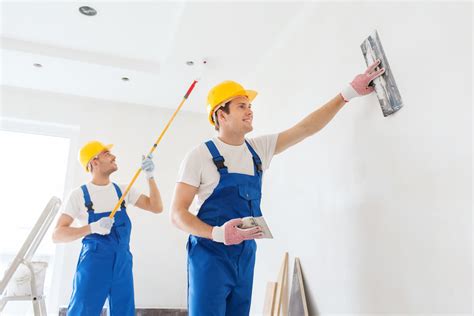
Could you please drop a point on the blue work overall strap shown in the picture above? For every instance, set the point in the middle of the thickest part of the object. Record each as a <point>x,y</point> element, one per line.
<point>257,162</point>
<point>217,157</point>
<point>87,199</point>
<point>119,194</point>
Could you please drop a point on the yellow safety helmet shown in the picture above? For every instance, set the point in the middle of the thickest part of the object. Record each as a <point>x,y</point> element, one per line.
<point>90,150</point>
<point>224,92</point>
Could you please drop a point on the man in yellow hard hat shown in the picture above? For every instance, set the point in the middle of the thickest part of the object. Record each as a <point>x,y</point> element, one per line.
<point>226,175</point>
<point>104,269</point>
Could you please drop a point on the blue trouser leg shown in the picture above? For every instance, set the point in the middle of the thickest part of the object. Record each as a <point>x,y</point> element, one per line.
<point>210,282</point>
<point>238,302</point>
<point>92,282</point>
<point>121,294</point>
<point>219,283</point>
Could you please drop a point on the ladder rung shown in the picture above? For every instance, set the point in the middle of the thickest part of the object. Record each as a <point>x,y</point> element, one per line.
<point>22,298</point>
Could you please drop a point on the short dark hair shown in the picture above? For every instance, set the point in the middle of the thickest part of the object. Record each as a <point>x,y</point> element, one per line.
<point>226,109</point>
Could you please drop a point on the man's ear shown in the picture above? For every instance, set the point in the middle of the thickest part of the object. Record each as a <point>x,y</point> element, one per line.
<point>221,116</point>
<point>94,163</point>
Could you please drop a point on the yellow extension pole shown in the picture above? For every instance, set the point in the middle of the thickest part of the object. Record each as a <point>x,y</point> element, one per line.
<point>153,148</point>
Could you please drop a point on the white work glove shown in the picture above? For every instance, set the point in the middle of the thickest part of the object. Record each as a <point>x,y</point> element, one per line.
<point>102,226</point>
<point>230,234</point>
<point>360,85</point>
<point>148,166</point>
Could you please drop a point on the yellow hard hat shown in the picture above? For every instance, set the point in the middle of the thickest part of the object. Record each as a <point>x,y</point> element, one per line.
<point>90,150</point>
<point>224,92</point>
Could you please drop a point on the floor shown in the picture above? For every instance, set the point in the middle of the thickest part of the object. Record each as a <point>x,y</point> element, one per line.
<point>143,312</point>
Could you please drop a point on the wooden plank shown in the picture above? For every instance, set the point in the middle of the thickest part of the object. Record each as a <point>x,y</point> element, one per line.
<point>298,304</point>
<point>269,298</point>
<point>284,292</point>
<point>281,284</point>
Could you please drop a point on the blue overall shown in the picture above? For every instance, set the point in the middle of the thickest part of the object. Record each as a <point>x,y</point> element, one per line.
<point>104,268</point>
<point>220,277</point>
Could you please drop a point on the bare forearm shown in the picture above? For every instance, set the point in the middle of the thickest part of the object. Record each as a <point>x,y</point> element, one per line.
<point>67,234</point>
<point>318,119</point>
<point>189,223</point>
<point>156,203</point>
<point>311,124</point>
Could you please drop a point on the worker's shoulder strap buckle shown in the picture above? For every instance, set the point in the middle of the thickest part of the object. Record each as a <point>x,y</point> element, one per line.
<point>89,205</point>
<point>258,164</point>
<point>219,162</point>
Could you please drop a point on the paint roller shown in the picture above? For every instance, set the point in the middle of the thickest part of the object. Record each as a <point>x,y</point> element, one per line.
<point>155,145</point>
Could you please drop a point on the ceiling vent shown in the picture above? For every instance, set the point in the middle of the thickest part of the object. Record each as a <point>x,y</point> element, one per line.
<point>87,11</point>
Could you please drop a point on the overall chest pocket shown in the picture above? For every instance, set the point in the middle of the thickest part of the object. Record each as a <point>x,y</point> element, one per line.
<point>249,201</point>
<point>249,193</point>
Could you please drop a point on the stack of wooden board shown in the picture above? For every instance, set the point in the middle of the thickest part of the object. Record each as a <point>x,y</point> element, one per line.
<point>276,296</point>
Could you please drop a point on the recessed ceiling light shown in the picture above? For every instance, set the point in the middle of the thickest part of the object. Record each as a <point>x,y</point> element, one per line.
<point>125,79</point>
<point>190,63</point>
<point>87,11</point>
<point>37,65</point>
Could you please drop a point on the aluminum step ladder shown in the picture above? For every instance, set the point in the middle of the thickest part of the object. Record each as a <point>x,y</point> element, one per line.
<point>24,257</point>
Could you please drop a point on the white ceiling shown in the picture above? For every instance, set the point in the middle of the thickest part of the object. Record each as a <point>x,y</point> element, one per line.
<point>148,42</point>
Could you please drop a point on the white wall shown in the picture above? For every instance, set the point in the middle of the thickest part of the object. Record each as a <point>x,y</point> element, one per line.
<point>158,248</point>
<point>378,209</point>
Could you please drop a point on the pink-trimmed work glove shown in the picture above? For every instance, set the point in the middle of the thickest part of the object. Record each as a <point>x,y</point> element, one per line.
<point>230,234</point>
<point>360,85</point>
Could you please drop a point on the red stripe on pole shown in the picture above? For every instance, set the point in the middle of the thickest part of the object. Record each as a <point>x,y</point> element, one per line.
<point>190,89</point>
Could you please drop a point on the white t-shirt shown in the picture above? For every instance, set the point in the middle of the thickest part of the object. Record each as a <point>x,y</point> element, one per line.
<point>103,197</point>
<point>199,170</point>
